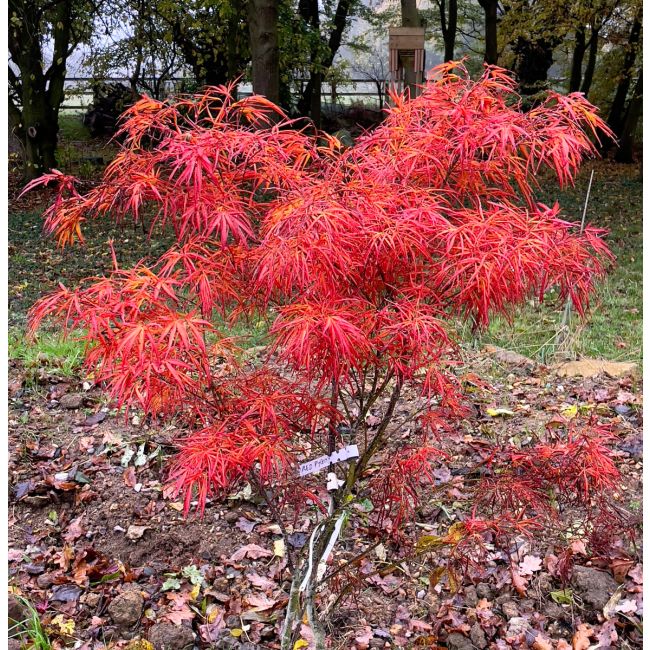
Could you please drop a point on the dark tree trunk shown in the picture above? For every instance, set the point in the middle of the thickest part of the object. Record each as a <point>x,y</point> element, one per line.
<point>490,8</point>
<point>37,94</point>
<point>616,115</point>
<point>626,140</point>
<point>588,76</point>
<point>533,61</point>
<point>310,101</point>
<point>265,54</point>
<point>449,25</point>
<point>576,62</point>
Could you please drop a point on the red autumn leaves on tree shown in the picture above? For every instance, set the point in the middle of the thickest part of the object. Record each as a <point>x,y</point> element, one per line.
<point>360,258</point>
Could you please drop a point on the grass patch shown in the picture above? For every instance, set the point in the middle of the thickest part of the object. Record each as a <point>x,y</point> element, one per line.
<point>30,628</point>
<point>48,350</point>
<point>613,328</point>
<point>71,127</point>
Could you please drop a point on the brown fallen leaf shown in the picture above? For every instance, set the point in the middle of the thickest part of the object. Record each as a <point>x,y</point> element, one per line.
<point>260,602</point>
<point>581,638</point>
<point>136,532</point>
<point>260,581</point>
<point>252,551</point>
<point>130,479</point>
<point>542,643</point>
<point>74,530</point>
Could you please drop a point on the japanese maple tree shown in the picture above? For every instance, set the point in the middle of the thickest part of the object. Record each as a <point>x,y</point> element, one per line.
<point>361,258</point>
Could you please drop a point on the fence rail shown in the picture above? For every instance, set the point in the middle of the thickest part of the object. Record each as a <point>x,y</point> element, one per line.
<point>79,92</point>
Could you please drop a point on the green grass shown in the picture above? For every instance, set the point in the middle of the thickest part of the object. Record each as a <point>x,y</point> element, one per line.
<point>48,350</point>
<point>30,628</point>
<point>71,127</point>
<point>613,328</point>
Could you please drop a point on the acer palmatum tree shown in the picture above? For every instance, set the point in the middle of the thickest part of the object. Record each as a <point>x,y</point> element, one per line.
<point>359,257</point>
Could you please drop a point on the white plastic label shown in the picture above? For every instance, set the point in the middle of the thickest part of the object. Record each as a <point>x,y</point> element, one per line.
<point>316,465</point>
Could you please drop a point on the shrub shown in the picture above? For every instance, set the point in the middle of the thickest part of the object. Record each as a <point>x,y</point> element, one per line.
<point>360,257</point>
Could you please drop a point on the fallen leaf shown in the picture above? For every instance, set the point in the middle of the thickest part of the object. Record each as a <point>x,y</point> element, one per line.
<point>518,582</point>
<point>245,525</point>
<point>94,419</point>
<point>129,477</point>
<point>260,602</point>
<point>581,638</point>
<point>499,412</point>
<point>542,643</point>
<point>136,532</point>
<point>66,593</point>
<point>74,530</point>
<point>529,565</point>
<point>636,574</point>
<point>260,581</point>
<point>279,548</point>
<point>252,551</point>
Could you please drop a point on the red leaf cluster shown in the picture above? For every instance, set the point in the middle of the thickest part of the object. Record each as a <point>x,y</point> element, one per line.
<point>358,256</point>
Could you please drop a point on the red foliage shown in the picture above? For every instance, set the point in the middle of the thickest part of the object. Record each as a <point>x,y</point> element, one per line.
<point>359,257</point>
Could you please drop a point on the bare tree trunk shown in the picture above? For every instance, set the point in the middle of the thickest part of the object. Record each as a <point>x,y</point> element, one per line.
<point>626,141</point>
<point>616,117</point>
<point>490,8</point>
<point>37,93</point>
<point>588,76</point>
<point>449,25</point>
<point>576,62</point>
<point>265,53</point>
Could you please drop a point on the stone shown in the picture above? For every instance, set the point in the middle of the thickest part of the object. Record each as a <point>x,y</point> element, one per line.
<point>14,644</point>
<point>510,609</point>
<point>232,516</point>
<point>458,641</point>
<point>517,626</point>
<point>511,359</point>
<point>125,610</point>
<point>594,587</point>
<point>45,581</point>
<point>554,611</point>
<point>16,610</point>
<point>483,590</point>
<point>71,401</point>
<point>471,597</point>
<point>477,636</point>
<point>167,636</point>
<point>594,367</point>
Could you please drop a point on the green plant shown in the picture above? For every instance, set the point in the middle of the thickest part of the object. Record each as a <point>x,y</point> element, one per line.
<point>30,627</point>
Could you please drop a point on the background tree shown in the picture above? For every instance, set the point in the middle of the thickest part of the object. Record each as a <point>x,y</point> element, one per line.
<point>36,87</point>
<point>265,50</point>
<point>326,30</point>
<point>130,38</point>
<point>491,12</point>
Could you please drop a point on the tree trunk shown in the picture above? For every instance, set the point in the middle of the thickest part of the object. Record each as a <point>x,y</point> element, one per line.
<point>490,8</point>
<point>265,54</point>
<point>533,61</point>
<point>588,76</point>
<point>626,141</point>
<point>37,93</point>
<point>310,101</point>
<point>576,63</point>
<point>449,24</point>
<point>616,115</point>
